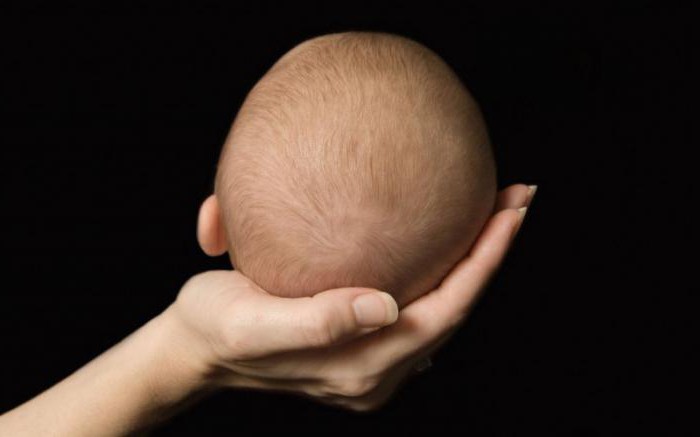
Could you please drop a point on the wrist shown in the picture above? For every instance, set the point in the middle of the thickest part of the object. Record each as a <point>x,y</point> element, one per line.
<point>180,371</point>
<point>146,378</point>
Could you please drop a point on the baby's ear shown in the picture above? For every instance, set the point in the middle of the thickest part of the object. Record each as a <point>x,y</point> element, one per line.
<point>210,231</point>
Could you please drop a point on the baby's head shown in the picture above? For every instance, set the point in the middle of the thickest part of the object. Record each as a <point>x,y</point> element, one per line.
<point>359,159</point>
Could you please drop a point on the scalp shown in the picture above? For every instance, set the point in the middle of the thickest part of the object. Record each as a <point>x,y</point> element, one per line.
<point>356,159</point>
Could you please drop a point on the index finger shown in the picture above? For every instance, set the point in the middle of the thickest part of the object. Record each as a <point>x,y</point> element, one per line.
<point>441,310</point>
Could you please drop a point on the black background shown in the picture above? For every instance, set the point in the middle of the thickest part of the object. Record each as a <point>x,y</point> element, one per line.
<point>112,123</point>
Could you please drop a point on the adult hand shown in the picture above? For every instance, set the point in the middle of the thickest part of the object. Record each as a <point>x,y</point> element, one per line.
<point>224,331</point>
<point>344,346</point>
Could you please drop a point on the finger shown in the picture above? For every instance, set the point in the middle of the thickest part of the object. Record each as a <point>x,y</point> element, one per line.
<point>514,197</point>
<point>262,324</point>
<point>392,380</point>
<point>436,313</point>
<point>294,386</point>
<point>409,333</point>
<point>487,254</point>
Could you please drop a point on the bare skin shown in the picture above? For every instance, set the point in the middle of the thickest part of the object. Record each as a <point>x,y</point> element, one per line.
<point>223,331</point>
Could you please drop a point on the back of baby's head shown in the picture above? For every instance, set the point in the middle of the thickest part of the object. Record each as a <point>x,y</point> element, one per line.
<point>359,159</point>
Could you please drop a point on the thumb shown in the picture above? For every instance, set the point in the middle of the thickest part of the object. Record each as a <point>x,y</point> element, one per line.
<point>278,324</point>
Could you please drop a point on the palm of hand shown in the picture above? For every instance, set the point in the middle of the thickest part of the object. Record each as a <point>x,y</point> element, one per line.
<point>314,346</point>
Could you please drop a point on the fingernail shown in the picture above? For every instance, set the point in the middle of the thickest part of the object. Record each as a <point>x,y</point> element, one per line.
<point>532,189</point>
<point>375,309</point>
<point>522,212</point>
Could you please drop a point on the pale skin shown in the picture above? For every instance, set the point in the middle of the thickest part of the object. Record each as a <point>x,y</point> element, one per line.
<point>223,331</point>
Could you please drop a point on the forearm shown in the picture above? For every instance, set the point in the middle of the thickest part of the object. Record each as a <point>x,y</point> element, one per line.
<point>139,382</point>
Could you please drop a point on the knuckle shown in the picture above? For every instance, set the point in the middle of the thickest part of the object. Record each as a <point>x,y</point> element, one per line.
<point>318,330</point>
<point>373,403</point>
<point>232,341</point>
<point>355,387</point>
<point>231,345</point>
<point>363,407</point>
